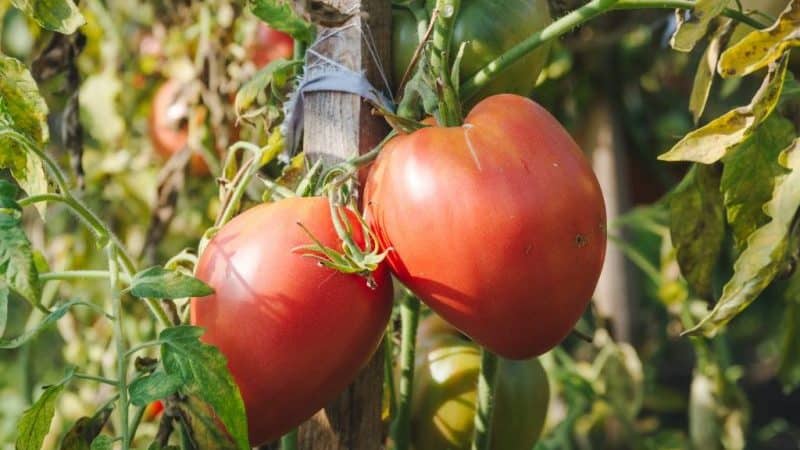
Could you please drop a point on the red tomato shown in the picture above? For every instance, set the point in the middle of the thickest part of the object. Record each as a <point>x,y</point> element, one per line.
<point>498,225</point>
<point>153,410</point>
<point>168,125</point>
<point>270,45</point>
<point>295,333</point>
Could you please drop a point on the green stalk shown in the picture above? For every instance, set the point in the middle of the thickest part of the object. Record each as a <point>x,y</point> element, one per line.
<point>83,376</point>
<point>570,21</point>
<point>482,436</point>
<point>289,441</point>
<point>119,339</point>
<point>449,104</point>
<point>135,421</point>
<point>409,316</point>
<point>388,370</point>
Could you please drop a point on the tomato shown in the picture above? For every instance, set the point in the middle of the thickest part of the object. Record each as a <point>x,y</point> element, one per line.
<point>168,125</point>
<point>153,410</point>
<point>445,384</point>
<point>498,225</point>
<point>270,45</point>
<point>489,28</point>
<point>295,333</point>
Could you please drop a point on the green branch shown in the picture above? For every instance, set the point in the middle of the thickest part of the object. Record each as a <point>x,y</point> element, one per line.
<point>482,437</point>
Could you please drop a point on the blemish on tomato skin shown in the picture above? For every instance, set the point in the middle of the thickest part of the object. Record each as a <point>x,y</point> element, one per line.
<point>581,241</point>
<point>528,249</point>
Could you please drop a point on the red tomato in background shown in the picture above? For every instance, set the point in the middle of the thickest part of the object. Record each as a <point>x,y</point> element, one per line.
<point>295,333</point>
<point>168,125</point>
<point>270,45</point>
<point>153,410</point>
<point>498,225</point>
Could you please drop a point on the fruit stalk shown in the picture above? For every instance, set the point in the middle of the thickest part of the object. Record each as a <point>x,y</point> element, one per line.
<point>409,315</point>
<point>449,104</point>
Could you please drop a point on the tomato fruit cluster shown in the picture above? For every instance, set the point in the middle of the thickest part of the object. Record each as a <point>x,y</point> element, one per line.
<point>498,225</point>
<point>445,379</point>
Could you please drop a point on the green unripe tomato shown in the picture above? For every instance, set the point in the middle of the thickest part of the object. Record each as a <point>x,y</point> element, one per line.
<point>445,391</point>
<point>490,28</point>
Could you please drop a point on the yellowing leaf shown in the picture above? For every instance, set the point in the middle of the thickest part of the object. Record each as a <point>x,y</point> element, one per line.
<point>692,24</point>
<point>704,77</point>
<point>22,112</point>
<point>747,178</point>
<point>762,47</point>
<point>56,15</point>
<point>713,141</point>
<point>766,250</point>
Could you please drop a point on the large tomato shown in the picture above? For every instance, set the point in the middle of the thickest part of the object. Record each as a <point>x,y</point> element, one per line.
<point>269,45</point>
<point>295,333</point>
<point>168,125</point>
<point>443,403</point>
<point>489,28</point>
<point>498,224</point>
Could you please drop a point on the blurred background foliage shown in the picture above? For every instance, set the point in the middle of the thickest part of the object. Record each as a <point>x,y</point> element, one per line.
<point>659,391</point>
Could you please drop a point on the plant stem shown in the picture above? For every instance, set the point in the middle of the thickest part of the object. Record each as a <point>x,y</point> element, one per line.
<point>482,436</point>
<point>142,346</point>
<point>568,22</point>
<point>119,339</point>
<point>289,441</point>
<point>409,316</point>
<point>135,421</point>
<point>449,104</point>
<point>388,370</point>
<point>83,376</point>
<point>68,275</point>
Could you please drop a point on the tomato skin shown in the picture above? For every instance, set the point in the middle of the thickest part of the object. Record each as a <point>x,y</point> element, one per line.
<point>498,225</point>
<point>489,30</point>
<point>445,379</point>
<point>169,134</point>
<point>269,45</point>
<point>295,333</point>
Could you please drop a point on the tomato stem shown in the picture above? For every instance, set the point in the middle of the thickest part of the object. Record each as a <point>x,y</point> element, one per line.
<point>566,24</point>
<point>135,421</point>
<point>409,316</point>
<point>482,436</point>
<point>119,339</point>
<point>449,105</point>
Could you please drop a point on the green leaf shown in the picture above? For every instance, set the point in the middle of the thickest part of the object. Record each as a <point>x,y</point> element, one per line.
<point>157,282</point>
<point>712,142</point>
<point>55,15</point>
<point>48,320</point>
<point>102,442</point>
<point>201,423</point>
<point>22,109</point>
<point>276,71</point>
<point>747,177</point>
<point>280,15</point>
<point>697,225</point>
<point>157,386</point>
<point>704,77</point>
<point>789,367</point>
<point>692,29</point>
<point>766,250</point>
<point>35,421</point>
<point>762,47</point>
<point>84,431</point>
<point>17,266</point>
<point>204,371</point>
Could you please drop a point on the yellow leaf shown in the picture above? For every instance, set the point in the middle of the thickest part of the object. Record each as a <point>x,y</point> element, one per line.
<point>692,29</point>
<point>710,143</point>
<point>762,47</point>
<point>704,77</point>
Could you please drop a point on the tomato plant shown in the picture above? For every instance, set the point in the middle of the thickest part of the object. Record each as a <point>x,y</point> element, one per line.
<point>487,31</point>
<point>446,376</point>
<point>502,224</point>
<point>294,333</point>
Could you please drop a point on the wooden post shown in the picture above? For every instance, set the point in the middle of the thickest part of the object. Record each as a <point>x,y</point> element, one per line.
<point>337,126</point>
